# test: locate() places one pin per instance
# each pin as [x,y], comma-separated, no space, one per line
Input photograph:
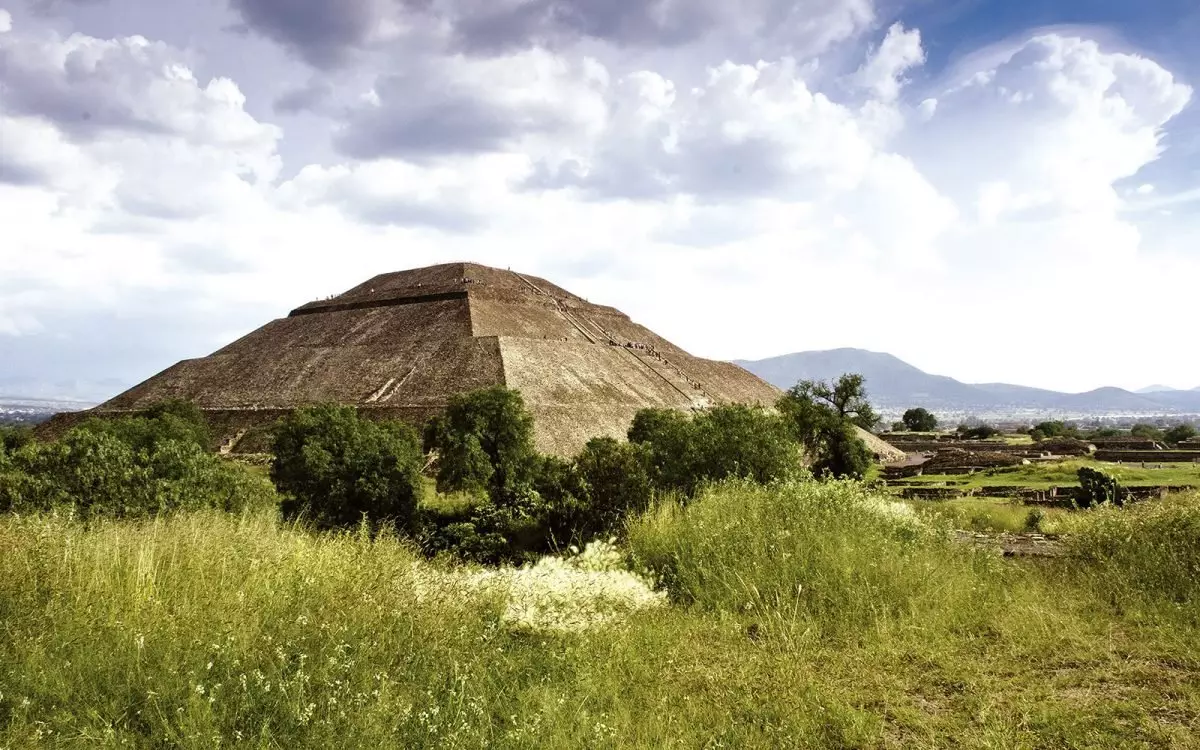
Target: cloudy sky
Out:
[992,190]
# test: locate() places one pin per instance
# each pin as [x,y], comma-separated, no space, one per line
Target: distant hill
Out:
[1156,388]
[894,384]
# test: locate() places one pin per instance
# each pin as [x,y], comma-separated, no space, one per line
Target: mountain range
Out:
[893,384]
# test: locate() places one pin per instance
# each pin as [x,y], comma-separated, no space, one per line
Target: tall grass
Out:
[1149,549]
[803,615]
[828,556]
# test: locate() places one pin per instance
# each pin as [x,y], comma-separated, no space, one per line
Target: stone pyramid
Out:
[399,345]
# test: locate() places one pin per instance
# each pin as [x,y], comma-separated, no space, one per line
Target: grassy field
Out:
[804,615]
[1041,475]
[991,514]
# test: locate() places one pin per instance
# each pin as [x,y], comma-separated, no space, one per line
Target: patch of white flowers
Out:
[892,510]
[575,593]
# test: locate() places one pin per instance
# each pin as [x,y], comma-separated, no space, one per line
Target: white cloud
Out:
[6,22]
[883,71]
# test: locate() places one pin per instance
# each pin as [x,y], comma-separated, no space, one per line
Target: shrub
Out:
[167,421]
[97,474]
[14,437]
[744,442]
[667,437]
[617,485]
[728,441]
[338,469]
[1179,433]
[982,432]
[1147,431]
[1055,428]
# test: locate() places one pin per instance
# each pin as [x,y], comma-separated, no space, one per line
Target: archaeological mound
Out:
[400,345]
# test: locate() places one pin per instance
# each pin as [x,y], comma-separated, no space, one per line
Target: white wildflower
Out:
[577,593]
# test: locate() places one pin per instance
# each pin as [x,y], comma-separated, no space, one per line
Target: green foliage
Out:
[844,456]
[1179,433]
[668,439]
[172,420]
[846,397]
[1098,488]
[981,432]
[727,441]
[617,484]
[807,615]
[338,468]
[824,430]
[14,437]
[810,550]
[96,473]
[1053,429]
[1148,431]
[919,419]
[484,441]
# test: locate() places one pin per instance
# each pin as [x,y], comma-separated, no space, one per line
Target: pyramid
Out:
[401,344]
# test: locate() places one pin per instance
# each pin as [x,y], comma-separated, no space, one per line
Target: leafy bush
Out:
[1147,431]
[172,420]
[728,441]
[617,485]
[1179,433]
[14,437]
[338,468]
[96,473]
[981,432]
[1056,428]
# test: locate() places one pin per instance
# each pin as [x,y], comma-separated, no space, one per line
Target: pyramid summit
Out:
[401,344]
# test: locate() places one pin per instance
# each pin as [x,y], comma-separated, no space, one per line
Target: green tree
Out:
[671,450]
[918,419]
[1179,433]
[337,468]
[96,473]
[1148,431]
[825,429]
[730,440]
[844,456]
[980,432]
[1054,429]
[14,437]
[846,397]
[485,440]
[747,442]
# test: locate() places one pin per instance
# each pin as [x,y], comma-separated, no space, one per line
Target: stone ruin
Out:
[401,344]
